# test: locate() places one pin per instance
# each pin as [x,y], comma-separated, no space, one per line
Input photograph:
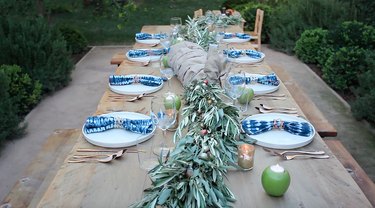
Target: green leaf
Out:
[164,196]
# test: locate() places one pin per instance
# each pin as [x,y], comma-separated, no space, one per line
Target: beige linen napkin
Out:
[190,62]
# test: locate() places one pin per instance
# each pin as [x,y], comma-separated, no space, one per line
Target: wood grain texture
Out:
[313,114]
[46,162]
[315,183]
[355,170]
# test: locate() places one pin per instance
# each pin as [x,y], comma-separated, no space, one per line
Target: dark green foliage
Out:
[342,67]
[9,120]
[248,12]
[17,7]
[24,91]
[75,41]
[289,20]
[38,49]
[363,106]
[352,33]
[311,44]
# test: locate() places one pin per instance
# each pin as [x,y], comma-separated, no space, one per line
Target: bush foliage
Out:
[75,40]
[311,45]
[9,120]
[291,19]
[24,91]
[38,49]
[342,67]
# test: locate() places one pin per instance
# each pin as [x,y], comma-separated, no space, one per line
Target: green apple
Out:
[275,180]
[246,96]
[165,60]
[169,99]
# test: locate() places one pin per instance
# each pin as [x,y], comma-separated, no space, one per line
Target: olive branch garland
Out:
[194,173]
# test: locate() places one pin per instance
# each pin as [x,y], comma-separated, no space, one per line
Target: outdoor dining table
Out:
[314,182]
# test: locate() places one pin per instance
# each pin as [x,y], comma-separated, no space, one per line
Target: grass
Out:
[102,29]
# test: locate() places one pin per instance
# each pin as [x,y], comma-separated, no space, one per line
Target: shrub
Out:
[352,33]
[289,20]
[24,91]
[75,40]
[311,44]
[248,13]
[9,120]
[38,49]
[342,67]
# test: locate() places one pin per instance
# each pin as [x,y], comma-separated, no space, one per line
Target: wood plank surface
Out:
[355,170]
[315,183]
[47,161]
[313,114]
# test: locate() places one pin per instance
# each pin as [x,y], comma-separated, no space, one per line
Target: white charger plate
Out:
[236,40]
[260,89]
[116,138]
[280,139]
[148,41]
[143,59]
[135,89]
[245,59]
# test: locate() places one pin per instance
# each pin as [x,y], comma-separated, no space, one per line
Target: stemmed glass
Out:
[176,23]
[163,114]
[166,71]
[234,85]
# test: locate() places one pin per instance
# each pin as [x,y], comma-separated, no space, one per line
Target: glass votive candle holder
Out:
[246,156]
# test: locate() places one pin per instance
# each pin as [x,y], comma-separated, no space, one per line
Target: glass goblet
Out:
[234,85]
[166,71]
[176,23]
[163,114]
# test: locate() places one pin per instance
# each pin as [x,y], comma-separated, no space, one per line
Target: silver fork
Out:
[293,152]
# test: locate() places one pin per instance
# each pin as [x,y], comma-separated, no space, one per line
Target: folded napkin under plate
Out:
[118,129]
[236,37]
[275,130]
[244,56]
[135,84]
[145,55]
[147,38]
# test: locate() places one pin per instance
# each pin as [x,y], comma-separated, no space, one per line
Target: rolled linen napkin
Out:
[254,127]
[270,79]
[136,53]
[118,80]
[238,35]
[233,53]
[95,124]
[145,36]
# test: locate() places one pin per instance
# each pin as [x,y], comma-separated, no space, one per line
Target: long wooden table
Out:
[315,183]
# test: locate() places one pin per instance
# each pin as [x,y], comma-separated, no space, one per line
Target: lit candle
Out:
[246,156]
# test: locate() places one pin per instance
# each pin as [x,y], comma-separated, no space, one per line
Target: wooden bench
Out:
[313,114]
[355,170]
[42,168]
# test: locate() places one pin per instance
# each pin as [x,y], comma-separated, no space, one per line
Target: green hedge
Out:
[24,91]
[75,40]
[9,120]
[342,68]
[291,19]
[38,49]
[363,106]
[311,45]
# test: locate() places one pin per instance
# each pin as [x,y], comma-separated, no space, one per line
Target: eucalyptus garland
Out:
[197,31]
[206,146]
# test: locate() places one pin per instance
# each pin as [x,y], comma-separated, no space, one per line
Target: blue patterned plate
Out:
[148,41]
[118,138]
[280,139]
[143,59]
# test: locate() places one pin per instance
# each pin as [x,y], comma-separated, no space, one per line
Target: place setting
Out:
[235,37]
[148,38]
[135,84]
[244,56]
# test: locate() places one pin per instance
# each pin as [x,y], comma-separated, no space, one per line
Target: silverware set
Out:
[101,155]
[294,154]
[271,109]
[121,98]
